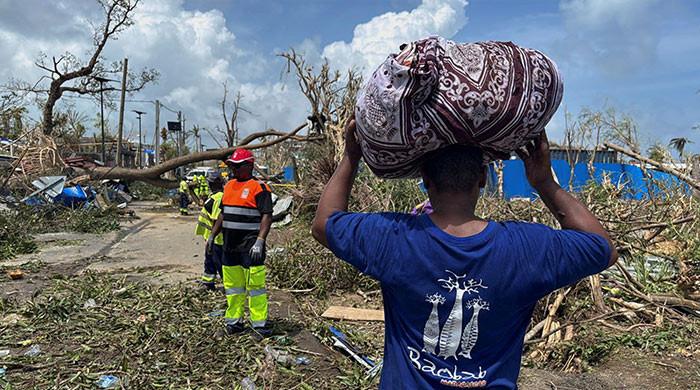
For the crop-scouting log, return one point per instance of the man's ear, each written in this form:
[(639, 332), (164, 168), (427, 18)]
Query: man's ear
[(427, 183), (484, 173)]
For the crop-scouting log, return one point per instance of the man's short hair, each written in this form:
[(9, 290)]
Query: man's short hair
[(455, 168)]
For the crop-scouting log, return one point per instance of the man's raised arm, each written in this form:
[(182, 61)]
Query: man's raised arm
[(569, 211), (336, 194)]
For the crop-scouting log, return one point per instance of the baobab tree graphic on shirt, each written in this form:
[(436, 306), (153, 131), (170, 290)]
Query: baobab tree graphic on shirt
[(431, 332), (471, 330), (451, 336)]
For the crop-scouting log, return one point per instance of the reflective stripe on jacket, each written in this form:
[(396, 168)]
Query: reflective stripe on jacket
[(239, 205), (206, 219)]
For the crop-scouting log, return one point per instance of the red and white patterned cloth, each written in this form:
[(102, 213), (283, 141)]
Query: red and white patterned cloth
[(435, 92)]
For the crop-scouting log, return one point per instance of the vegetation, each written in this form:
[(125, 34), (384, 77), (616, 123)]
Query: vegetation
[(18, 226)]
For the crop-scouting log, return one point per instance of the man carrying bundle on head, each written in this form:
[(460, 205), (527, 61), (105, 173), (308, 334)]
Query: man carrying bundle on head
[(245, 220), (459, 290)]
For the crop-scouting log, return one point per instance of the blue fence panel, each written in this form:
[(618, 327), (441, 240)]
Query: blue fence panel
[(515, 183), (562, 172)]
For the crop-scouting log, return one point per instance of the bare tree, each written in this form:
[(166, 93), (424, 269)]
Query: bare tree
[(231, 131), (331, 97), (67, 73)]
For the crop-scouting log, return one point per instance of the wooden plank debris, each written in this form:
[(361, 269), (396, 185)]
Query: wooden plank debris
[(353, 314)]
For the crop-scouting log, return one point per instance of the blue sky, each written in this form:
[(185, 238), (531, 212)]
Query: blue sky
[(638, 56)]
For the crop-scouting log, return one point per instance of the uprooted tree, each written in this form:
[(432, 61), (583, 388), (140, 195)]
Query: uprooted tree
[(331, 97), (69, 74)]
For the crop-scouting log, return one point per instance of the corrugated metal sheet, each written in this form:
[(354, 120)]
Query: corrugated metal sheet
[(629, 177)]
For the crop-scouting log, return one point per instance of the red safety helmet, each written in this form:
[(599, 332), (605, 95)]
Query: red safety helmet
[(240, 156)]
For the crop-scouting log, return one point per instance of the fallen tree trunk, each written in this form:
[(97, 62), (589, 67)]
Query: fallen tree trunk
[(152, 175), (686, 178)]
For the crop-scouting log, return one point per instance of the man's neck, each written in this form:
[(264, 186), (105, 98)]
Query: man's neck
[(455, 214)]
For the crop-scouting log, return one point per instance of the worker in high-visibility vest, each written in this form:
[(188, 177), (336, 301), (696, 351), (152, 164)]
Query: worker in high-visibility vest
[(204, 190), (245, 221), (184, 191), (209, 213)]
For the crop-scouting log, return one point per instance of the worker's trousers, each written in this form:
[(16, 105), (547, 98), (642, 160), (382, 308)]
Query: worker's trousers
[(243, 279), (212, 265), (184, 202)]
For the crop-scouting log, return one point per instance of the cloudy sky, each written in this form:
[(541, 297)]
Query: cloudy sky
[(640, 56)]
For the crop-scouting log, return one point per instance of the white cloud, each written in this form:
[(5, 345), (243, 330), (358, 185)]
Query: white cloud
[(374, 40), (614, 36), (195, 53)]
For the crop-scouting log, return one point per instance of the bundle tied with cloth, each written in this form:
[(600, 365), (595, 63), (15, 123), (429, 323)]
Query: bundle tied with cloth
[(435, 92)]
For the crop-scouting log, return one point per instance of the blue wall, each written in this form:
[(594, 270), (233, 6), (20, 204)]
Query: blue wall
[(630, 177)]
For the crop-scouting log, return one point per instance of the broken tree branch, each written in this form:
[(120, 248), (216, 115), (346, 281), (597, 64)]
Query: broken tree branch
[(152, 175), (661, 167)]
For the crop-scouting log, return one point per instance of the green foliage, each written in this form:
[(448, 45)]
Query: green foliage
[(151, 337), (145, 191), (595, 344), (15, 238), (302, 263), (17, 226)]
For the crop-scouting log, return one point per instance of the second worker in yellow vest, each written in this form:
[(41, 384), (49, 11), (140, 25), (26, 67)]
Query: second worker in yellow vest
[(245, 220), (209, 213)]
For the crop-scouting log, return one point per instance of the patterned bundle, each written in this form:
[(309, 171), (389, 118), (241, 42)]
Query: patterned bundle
[(435, 92)]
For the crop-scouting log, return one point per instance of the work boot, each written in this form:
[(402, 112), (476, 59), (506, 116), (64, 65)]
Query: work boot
[(235, 328), (206, 286), (263, 331)]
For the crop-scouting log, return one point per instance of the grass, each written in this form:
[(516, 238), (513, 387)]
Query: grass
[(151, 337), (17, 226)]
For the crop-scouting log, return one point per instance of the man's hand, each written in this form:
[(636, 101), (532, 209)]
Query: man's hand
[(257, 252), (210, 244), (352, 147), (538, 166)]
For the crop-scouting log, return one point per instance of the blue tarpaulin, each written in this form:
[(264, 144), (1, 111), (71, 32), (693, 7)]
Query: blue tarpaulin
[(72, 196), (631, 179), (289, 173)]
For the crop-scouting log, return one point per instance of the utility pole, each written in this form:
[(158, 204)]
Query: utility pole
[(140, 158), (157, 143), (102, 80), (179, 119), (120, 131), (183, 133)]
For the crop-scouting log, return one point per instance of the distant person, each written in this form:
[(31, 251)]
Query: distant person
[(459, 290), (183, 192), (207, 216), (245, 220)]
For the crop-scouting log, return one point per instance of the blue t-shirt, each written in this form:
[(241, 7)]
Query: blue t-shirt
[(456, 309)]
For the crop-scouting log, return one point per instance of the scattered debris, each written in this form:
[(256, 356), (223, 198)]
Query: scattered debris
[(15, 274), (34, 350), (89, 304), (216, 313), (281, 208), (353, 314), (119, 291), (4, 352), (340, 341), (108, 382), (302, 361), (11, 320), (2, 372), (247, 384), (284, 222), (281, 357)]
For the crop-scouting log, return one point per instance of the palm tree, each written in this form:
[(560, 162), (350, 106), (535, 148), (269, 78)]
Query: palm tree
[(679, 144)]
